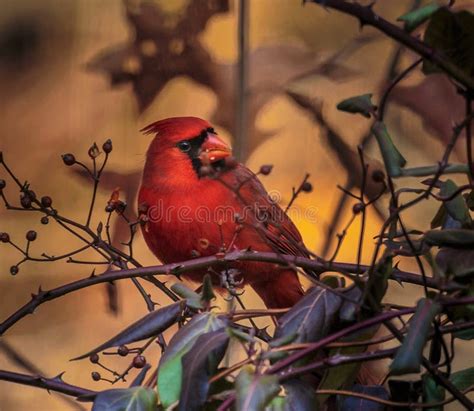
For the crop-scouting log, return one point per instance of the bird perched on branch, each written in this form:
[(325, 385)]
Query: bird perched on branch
[(198, 201)]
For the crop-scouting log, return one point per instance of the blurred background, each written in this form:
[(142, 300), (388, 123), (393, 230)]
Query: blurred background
[(77, 72)]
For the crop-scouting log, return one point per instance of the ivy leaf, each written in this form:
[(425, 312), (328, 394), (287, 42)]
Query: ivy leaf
[(456, 207), (358, 105), (129, 399), (417, 17), (312, 317), (408, 357), (356, 403), (454, 237), (432, 392), (199, 364), (300, 396), (170, 369), (152, 324), (254, 392), (392, 158), (453, 35)]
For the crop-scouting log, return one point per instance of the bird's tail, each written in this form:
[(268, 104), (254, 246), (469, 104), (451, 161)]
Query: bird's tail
[(284, 290)]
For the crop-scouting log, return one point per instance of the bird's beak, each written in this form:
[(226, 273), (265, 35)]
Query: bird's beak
[(214, 149)]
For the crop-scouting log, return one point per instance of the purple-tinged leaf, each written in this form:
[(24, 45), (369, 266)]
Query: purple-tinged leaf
[(199, 364), (300, 396), (152, 324), (408, 357), (361, 404)]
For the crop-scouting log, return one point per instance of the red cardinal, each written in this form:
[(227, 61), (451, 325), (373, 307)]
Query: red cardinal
[(198, 206)]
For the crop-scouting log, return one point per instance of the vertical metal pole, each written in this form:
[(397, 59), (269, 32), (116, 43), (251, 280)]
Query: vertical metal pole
[(240, 145)]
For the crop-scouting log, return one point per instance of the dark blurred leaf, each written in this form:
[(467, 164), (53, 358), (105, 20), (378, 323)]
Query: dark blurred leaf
[(439, 218), (300, 396), (358, 105), (361, 404), (349, 309), (456, 207), (408, 357), (470, 200), (254, 392), (432, 392), (452, 34), (312, 317), (199, 364), (170, 370), (405, 391), (207, 293), (129, 399), (463, 379), (462, 313), (456, 262), (456, 238), (377, 285), (334, 281), (392, 158), (152, 324), (141, 376), (416, 17)]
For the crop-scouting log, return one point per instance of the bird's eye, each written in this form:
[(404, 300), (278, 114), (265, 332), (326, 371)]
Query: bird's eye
[(184, 146)]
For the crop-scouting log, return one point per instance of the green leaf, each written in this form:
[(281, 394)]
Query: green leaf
[(199, 364), (358, 104), (432, 392), (456, 207), (454, 237), (417, 17), (277, 404), (392, 158), (129, 399), (254, 392), (170, 369), (408, 357), (152, 324), (463, 379), (312, 317), (452, 34), (207, 293), (193, 299)]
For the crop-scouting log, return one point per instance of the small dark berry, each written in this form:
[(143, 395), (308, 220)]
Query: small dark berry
[(358, 208), (4, 237), (46, 201), (94, 358), (69, 159), (14, 270), (3, 184), (122, 351), (31, 235), (93, 151), (44, 220), (31, 194), (120, 206), (378, 176), (25, 201), (96, 376), (139, 361), (109, 208), (307, 187), (266, 169), (107, 146)]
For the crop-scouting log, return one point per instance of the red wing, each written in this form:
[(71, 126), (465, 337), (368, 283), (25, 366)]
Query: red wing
[(279, 230)]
